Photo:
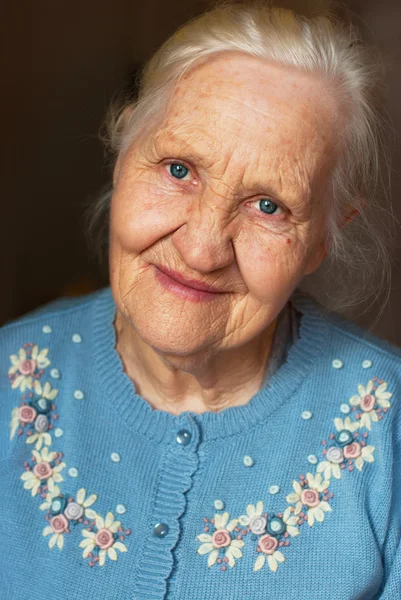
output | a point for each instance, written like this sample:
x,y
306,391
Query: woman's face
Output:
x,y
231,190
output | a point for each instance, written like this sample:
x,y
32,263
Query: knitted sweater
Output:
x,y
295,495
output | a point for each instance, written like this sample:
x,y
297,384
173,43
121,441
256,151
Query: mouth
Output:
x,y
189,289
191,283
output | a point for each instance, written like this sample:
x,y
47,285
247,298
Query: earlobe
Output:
x,y
348,218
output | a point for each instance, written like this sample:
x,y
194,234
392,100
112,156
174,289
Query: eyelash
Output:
x,y
264,215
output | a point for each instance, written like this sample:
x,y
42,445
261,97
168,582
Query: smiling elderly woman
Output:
x,y
203,429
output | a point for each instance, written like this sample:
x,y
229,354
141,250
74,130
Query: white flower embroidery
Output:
x,y
15,422
347,424
43,438
310,496
58,526
272,559
45,391
365,456
290,520
251,512
221,538
103,539
24,367
366,400
42,472
85,502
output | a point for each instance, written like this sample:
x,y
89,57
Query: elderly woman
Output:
x,y
203,429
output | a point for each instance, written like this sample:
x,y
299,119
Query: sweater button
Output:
x,y
183,437
160,530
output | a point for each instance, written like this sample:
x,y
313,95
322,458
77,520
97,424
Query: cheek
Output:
x,y
270,264
141,215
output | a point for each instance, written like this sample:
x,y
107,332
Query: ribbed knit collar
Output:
x,y
156,425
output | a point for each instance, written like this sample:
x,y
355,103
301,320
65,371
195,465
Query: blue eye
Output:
x,y
178,171
268,206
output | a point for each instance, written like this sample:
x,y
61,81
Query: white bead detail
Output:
x,y
46,329
306,415
55,373
78,395
367,364
248,461
345,408
115,457
120,509
337,364
76,338
219,504
73,472
274,489
58,432
312,458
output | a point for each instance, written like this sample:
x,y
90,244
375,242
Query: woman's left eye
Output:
x,y
178,170
269,207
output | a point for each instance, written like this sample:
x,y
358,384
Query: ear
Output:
x,y
323,250
348,218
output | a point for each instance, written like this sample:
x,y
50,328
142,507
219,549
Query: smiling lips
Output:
x,y
189,289
192,283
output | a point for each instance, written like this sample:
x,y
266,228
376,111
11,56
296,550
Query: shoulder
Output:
x,y
360,363
30,344
348,337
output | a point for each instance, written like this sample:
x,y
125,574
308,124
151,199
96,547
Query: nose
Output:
x,y
204,241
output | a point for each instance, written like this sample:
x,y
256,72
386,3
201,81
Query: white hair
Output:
x,y
358,265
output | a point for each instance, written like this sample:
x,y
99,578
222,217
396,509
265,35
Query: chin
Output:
x,y
168,335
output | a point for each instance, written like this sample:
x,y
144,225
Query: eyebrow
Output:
x,y
183,147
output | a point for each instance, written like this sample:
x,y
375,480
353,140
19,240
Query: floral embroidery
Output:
x,y
46,471
369,403
267,545
36,417
308,493
223,545
105,541
310,498
27,366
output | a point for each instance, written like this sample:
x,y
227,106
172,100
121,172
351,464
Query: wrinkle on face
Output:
x,y
247,129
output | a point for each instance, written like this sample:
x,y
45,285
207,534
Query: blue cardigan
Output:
x,y
295,495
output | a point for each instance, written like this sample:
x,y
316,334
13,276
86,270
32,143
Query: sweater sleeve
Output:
x,y
392,548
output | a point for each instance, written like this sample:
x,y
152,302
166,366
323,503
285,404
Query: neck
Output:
x,y
196,383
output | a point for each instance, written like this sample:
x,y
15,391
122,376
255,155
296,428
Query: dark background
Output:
x,y
63,61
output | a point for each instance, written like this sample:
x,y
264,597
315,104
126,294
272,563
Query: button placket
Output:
x,y
179,462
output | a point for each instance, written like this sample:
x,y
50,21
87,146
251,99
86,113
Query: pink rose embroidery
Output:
x,y
26,414
352,450
221,538
104,539
43,470
27,367
59,524
268,544
310,498
368,402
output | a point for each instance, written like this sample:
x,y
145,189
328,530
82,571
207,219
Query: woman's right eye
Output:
x,y
178,170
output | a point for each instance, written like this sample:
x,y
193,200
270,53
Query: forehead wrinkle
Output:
x,y
178,141
289,182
